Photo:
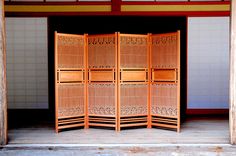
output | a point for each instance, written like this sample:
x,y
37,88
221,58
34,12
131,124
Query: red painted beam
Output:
x,y
116,5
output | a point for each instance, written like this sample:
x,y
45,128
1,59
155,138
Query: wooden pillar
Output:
x,y
232,109
3,98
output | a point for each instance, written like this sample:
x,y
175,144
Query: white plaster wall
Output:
x,y
208,62
27,62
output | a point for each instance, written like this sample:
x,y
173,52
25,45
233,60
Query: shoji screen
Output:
x,y
133,83
208,62
70,80
102,81
27,63
165,84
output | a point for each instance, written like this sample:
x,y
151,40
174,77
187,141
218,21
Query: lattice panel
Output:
x,y
164,51
101,99
102,51
164,99
70,100
133,99
133,51
70,50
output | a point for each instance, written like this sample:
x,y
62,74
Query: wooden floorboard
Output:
x,y
193,131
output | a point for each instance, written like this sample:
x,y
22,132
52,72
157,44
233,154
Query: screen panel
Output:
x,y
70,80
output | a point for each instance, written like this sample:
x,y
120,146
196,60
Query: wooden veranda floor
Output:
x,y
193,131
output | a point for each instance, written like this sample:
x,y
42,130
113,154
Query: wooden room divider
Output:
x,y
102,80
133,86
70,80
165,81
117,80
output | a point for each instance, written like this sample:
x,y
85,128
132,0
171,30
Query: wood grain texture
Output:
x,y
71,76
3,89
101,76
232,109
133,76
164,75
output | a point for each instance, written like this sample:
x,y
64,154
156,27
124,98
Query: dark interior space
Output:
x,y
103,25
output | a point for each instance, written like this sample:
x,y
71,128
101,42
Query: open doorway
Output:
x,y
42,120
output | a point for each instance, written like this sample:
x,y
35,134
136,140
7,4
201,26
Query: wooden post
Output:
x,y
3,98
232,87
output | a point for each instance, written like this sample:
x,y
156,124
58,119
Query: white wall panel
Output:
x,y
27,67
208,62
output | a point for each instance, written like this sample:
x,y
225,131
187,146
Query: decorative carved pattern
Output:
x,y
164,111
133,40
101,40
164,51
70,100
164,40
133,100
101,99
133,52
101,51
70,51
64,112
164,99
70,40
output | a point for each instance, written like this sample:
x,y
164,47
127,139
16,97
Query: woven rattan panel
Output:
x,y
70,100
70,51
102,51
133,51
164,51
133,99
164,99
101,99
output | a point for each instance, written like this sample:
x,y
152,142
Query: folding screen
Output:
x,y
102,84
70,80
165,80
117,80
133,86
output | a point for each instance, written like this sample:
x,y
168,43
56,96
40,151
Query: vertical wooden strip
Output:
x,y
3,89
232,87
149,82
178,81
86,120
118,82
56,78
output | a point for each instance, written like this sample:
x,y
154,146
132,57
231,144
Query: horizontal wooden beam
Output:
x,y
117,7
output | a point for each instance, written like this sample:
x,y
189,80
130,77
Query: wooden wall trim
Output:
x,y
207,111
232,87
117,7
213,7
3,98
